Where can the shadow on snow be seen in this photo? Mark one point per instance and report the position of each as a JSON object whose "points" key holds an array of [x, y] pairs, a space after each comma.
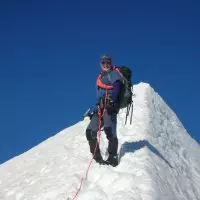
{"points": [[128, 147]]}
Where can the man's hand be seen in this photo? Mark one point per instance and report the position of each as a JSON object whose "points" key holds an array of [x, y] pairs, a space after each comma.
{"points": [[89, 113]]}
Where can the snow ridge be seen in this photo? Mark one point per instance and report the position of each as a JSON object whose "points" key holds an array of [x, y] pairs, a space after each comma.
{"points": [[158, 160], [179, 172]]}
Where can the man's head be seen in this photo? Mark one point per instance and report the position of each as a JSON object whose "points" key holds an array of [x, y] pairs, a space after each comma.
{"points": [[106, 63]]}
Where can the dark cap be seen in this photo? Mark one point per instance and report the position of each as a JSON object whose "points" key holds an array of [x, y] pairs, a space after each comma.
{"points": [[107, 58]]}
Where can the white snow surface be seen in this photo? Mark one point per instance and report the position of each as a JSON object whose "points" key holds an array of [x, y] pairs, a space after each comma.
{"points": [[159, 160]]}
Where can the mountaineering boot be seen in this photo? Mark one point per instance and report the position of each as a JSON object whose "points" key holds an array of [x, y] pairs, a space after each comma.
{"points": [[97, 157], [112, 160], [112, 150]]}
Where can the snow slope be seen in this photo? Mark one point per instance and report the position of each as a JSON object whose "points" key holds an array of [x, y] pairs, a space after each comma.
{"points": [[158, 161]]}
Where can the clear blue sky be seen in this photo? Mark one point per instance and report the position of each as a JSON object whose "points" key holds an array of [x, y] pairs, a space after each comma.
{"points": [[49, 60]]}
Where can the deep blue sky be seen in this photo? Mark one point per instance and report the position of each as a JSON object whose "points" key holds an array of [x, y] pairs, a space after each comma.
{"points": [[49, 60]]}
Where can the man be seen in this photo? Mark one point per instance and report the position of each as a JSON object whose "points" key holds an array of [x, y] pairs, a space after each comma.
{"points": [[108, 107]]}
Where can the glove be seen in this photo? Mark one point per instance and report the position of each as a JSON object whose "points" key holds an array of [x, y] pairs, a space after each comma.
{"points": [[111, 107], [89, 113]]}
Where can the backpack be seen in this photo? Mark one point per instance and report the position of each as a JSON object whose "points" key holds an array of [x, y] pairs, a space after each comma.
{"points": [[125, 96]]}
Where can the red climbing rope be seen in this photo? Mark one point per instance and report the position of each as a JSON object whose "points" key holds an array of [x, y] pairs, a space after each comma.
{"points": [[100, 114]]}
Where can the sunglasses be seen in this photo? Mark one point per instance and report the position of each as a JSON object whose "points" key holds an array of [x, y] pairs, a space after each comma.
{"points": [[105, 62]]}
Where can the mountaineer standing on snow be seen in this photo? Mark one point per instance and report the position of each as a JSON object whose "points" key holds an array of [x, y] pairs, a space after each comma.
{"points": [[109, 85]]}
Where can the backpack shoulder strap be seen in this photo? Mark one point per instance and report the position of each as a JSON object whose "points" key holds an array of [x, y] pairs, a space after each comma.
{"points": [[116, 68]]}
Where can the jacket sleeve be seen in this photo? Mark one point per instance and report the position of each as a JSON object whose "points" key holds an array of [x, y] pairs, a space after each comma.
{"points": [[117, 84], [116, 90]]}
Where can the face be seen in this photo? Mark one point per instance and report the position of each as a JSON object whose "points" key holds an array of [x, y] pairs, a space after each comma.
{"points": [[105, 66]]}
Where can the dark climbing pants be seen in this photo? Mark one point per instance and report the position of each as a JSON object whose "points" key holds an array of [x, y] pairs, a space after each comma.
{"points": [[109, 122]]}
